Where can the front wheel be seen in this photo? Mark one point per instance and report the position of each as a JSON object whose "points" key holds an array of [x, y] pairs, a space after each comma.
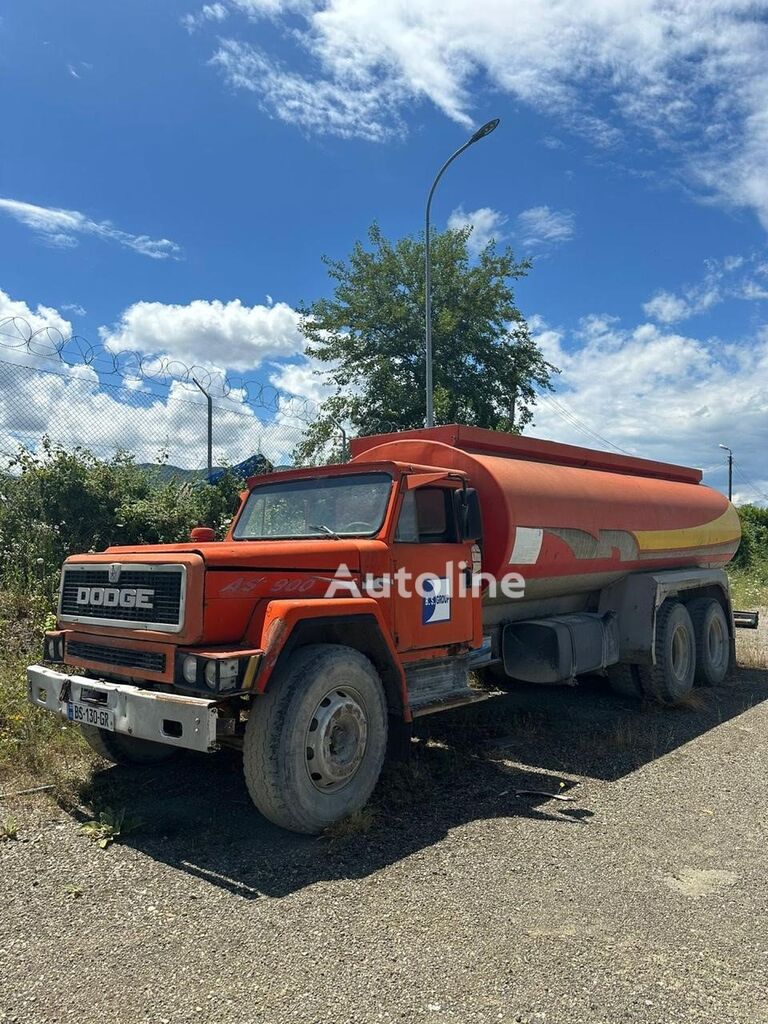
{"points": [[126, 750], [315, 742]]}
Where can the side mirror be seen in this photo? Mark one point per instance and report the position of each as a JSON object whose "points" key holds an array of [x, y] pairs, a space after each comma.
{"points": [[468, 514], [202, 534]]}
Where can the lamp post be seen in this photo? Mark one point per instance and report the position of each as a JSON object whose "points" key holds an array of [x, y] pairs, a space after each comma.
{"points": [[730, 470], [479, 134]]}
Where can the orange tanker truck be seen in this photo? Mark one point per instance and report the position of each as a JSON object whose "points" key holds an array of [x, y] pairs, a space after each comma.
{"points": [[347, 600]]}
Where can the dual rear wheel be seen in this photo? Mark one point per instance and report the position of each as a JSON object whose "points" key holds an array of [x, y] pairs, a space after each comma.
{"points": [[692, 646]]}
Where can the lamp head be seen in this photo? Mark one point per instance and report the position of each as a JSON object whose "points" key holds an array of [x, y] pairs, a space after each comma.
{"points": [[486, 129]]}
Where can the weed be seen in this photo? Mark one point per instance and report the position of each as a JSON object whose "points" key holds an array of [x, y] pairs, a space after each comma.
{"points": [[749, 588], [750, 648], [694, 700], [9, 828], [72, 892], [109, 826], [357, 824]]}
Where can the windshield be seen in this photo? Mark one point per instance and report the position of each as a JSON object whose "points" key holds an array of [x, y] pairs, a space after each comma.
{"points": [[328, 506]]}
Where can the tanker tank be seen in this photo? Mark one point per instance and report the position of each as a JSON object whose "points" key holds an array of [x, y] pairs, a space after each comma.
{"points": [[571, 520]]}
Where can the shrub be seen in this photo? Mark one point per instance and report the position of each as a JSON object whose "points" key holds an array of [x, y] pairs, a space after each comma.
{"points": [[753, 550], [58, 502]]}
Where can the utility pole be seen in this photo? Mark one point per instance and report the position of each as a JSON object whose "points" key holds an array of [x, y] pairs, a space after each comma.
{"points": [[730, 470], [210, 427]]}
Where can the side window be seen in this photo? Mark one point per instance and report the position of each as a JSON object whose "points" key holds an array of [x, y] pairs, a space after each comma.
{"points": [[426, 517]]}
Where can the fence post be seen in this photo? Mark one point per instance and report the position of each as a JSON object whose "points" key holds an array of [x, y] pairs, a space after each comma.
{"points": [[210, 427]]}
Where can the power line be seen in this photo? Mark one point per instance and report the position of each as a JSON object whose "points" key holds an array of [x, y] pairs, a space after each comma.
{"points": [[748, 482], [573, 420]]}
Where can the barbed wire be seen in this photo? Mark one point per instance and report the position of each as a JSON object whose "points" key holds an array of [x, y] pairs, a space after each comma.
{"points": [[72, 350]]}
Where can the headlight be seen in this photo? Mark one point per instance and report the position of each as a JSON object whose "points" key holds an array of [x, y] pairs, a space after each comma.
{"points": [[210, 674], [189, 670], [53, 647]]}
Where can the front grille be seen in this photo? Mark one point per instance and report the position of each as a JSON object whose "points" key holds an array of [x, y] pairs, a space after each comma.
{"points": [[88, 594], [120, 657]]}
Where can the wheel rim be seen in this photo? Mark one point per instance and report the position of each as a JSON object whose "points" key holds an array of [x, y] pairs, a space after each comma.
{"points": [[336, 739], [716, 642], [681, 652]]}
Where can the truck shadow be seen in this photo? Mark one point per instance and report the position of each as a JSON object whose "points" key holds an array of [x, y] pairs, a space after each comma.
{"points": [[495, 760]]}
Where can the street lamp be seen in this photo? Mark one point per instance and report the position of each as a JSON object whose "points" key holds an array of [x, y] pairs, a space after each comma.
{"points": [[730, 470], [479, 134]]}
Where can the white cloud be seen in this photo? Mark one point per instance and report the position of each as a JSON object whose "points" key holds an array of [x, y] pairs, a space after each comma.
{"points": [[486, 224], [667, 308], [18, 320], [691, 76], [541, 225], [302, 380], [659, 394], [753, 292], [208, 12], [211, 333], [74, 307], [367, 111], [721, 281], [61, 228]]}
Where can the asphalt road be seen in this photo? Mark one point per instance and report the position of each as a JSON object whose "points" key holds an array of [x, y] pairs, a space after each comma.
{"points": [[644, 899]]}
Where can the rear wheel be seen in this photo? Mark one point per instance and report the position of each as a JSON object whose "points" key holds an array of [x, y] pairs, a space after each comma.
{"points": [[713, 642], [671, 678], [315, 742], [126, 750]]}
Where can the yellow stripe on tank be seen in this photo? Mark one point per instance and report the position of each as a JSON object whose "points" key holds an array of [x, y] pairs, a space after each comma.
{"points": [[723, 530]]}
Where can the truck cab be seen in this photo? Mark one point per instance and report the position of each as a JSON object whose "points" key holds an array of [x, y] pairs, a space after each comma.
{"points": [[313, 594]]}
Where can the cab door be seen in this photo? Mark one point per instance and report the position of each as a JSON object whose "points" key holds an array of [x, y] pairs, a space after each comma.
{"points": [[426, 544]]}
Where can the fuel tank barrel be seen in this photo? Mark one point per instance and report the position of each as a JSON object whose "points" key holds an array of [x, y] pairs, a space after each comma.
{"points": [[569, 519]]}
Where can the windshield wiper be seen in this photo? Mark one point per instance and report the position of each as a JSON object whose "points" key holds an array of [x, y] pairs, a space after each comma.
{"points": [[325, 529]]}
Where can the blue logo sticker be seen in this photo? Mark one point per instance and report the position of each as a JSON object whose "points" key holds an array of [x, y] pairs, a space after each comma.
{"points": [[436, 604]]}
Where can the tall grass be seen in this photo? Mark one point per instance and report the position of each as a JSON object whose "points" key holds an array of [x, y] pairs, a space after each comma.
{"points": [[34, 745]]}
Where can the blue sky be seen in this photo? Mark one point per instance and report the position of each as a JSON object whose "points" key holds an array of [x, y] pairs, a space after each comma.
{"points": [[177, 170]]}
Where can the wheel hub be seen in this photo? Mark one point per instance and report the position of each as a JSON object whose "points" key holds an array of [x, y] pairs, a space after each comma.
{"points": [[716, 642], [336, 739], [680, 652]]}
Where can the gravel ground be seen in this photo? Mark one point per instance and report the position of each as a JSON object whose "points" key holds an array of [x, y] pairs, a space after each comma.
{"points": [[644, 899]]}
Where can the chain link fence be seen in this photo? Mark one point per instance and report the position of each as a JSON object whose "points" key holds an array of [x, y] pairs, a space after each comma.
{"points": [[80, 395]]}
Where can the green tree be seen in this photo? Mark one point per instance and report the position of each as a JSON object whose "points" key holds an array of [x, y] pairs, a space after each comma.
{"points": [[371, 336]]}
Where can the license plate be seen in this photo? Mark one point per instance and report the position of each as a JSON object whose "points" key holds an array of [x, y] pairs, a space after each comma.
{"points": [[86, 714]]}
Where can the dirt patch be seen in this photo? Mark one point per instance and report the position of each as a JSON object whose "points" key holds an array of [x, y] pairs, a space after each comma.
{"points": [[700, 882]]}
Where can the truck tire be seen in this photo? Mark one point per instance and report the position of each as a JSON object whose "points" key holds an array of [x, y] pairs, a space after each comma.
{"points": [[315, 742], [713, 647], [672, 677], [623, 679], [126, 750]]}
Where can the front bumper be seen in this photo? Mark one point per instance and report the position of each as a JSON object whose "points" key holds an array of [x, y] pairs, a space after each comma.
{"points": [[174, 719]]}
